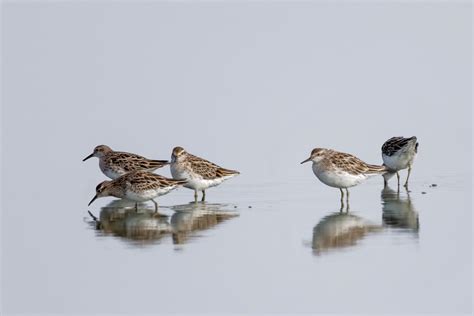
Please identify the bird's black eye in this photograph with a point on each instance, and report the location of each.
(99, 188)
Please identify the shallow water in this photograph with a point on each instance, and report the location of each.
(255, 97)
(298, 253)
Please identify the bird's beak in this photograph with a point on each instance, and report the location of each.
(306, 160)
(93, 199)
(91, 155)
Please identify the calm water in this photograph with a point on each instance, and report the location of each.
(255, 97)
(292, 251)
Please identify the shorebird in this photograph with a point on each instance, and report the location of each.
(199, 173)
(138, 186)
(398, 153)
(341, 170)
(116, 163)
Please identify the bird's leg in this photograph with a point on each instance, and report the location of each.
(203, 196)
(408, 195)
(342, 199)
(398, 179)
(136, 206)
(347, 199)
(156, 205)
(195, 196)
(409, 171)
(385, 183)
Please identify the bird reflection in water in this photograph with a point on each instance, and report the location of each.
(120, 218)
(398, 211)
(191, 218)
(340, 230)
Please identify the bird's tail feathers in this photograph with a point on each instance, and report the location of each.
(376, 169)
(156, 164)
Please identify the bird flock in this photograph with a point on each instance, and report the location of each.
(133, 176)
(342, 170)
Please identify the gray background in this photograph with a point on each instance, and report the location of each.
(252, 86)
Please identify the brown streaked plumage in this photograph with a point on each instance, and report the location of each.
(351, 164)
(138, 186)
(341, 170)
(200, 173)
(115, 163)
(207, 169)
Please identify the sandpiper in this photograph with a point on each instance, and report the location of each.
(341, 170)
(199, 173)
(116, 163)
(138, 186)
(398, 153)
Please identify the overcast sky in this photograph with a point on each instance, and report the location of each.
(250, 85)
